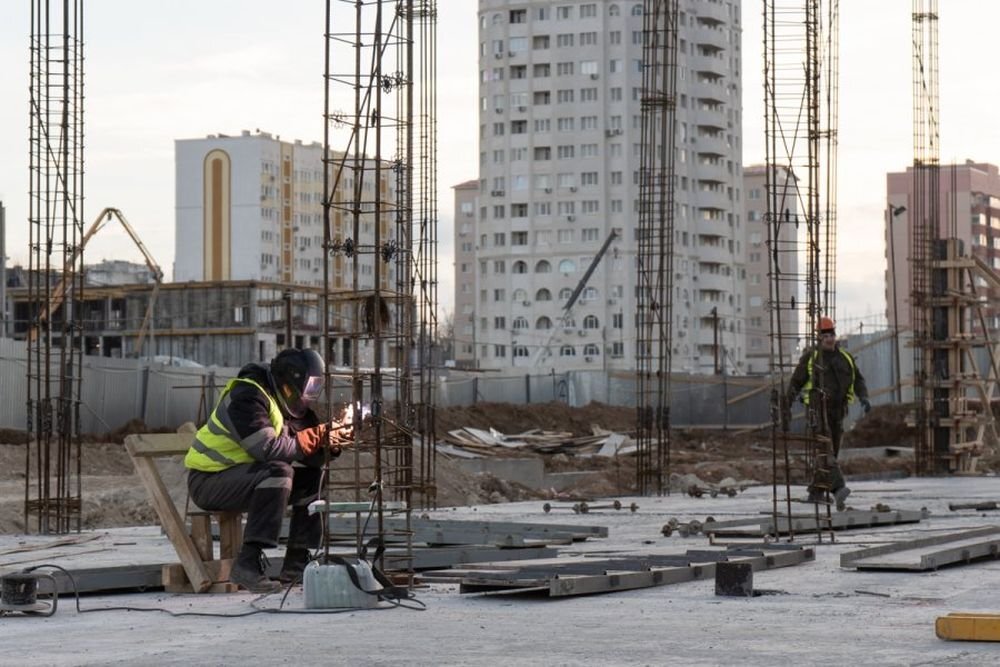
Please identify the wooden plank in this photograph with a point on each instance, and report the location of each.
(158, 444)
(175, 579)
(170, 519)
(968, 626)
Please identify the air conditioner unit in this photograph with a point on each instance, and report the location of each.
(612, 302)
(511, 54)
(570, 218)
(522, 108)
(581, 333)
(572, 188)
(594, 77)
(498, 56)
(548, 190)
(525, 303)
(499, 109)
(588, 359)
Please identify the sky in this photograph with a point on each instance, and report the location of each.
(156, 72)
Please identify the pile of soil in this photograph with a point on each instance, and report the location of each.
(114, 496)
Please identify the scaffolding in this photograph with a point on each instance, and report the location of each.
(800, 96)
(52, 497)
(380, 64)
(656, 245)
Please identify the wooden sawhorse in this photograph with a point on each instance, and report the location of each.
(199, 570)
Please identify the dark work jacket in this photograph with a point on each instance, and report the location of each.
(834, 375)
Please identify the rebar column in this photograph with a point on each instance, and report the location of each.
(654, 326)
(52, 494)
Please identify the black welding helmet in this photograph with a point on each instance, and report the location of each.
(298, 378)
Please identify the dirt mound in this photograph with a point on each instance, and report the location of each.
(511, 419)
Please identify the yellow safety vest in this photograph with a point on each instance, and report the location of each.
(216, 446)
(807, 387)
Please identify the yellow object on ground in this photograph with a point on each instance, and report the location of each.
(969, 626)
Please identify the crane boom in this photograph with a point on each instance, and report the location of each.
(568, 308)
(59, 292)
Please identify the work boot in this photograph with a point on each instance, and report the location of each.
(816, 496)
(296, 559)
(840, 496)
(249, 571)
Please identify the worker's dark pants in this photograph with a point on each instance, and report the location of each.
(828, 473)
(263, 490)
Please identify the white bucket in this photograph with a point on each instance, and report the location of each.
(329, 586)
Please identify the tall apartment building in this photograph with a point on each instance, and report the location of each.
(560, 122)
(758, 324)
(969, 201)
(466, 202)
(250, 207)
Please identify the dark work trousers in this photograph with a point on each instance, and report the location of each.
(830, 424)
(263, 490)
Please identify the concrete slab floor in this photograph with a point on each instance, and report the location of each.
(818, 614)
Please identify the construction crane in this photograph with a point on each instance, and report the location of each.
(567, 313)
(59, 291)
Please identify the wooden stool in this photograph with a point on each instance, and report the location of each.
(175, 579)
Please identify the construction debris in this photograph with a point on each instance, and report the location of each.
(470, 441)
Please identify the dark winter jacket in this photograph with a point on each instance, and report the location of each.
(832, 374)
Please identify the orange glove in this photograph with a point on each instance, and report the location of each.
(311, 439)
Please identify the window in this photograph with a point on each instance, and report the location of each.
(636, 10)
(564, 69)
(542, 14)
(588, 122)
(589, 177)
(566, 208)
(616, 206)
(618, 349)
(543, 266)
(518, 16)
(588, 67)
(541, 71)
(543, 208)
(565, 293)
(542, 97)
(520, 322)
(564, 124)
(518, 211)
(566, 180)
(520, 266)
(498, 213)
(539, 42)
(565, 152)
(590, 234)
(591, 350)
(518, 44)
(613, 10)
(520, 351)
(588, 150)
(588, 94)
(565, 236)
(519, 182)
(588, 38)
(499, 239)
(499, 266)
(543, 182)
(616, 94)
(567, 351)
(542, 153)
(498, 129)
(518, 154)
(588, 11)
(543, 295)
(617, 320)
(518, 126)
(543, 124)
(616, 178)
(499, 295)
(500, 323)
(590, 206)
(567, 266)
(499, 351)
(564, 12)
(564, 96)
(543, 323)
(591, 322)
(519, 238)
(563, 41)
(615, 37)
(518, 71)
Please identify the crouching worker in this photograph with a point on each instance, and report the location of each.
(241, 461)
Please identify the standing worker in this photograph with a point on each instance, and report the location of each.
(829, 380)
(241, 461)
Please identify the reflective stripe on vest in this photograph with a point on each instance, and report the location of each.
(807, 387)
(216, 446)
